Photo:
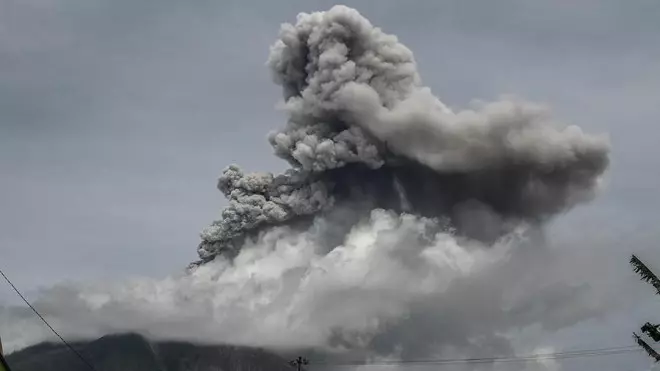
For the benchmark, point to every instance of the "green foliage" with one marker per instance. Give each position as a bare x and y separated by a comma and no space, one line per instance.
3,364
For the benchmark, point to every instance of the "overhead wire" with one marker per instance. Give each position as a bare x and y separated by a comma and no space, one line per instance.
71,348
524,358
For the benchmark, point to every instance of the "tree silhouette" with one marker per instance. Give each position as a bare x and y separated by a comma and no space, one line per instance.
645,273
651,330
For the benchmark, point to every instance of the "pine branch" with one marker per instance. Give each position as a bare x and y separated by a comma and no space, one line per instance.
653,331
645,273
651,352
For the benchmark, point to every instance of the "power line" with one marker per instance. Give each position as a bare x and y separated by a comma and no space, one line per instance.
82,359
533,357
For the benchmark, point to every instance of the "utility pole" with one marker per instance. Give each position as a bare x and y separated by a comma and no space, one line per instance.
299,362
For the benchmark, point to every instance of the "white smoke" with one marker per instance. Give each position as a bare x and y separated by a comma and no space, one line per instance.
284,283
402,228
397,286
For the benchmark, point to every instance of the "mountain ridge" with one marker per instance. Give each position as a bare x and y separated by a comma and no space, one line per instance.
132,352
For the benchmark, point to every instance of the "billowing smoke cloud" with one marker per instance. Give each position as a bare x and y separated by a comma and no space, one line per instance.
402,229
363,130
397,286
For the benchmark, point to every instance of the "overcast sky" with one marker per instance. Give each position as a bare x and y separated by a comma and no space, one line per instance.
116,116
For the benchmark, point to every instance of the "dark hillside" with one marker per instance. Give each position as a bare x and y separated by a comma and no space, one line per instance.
134,353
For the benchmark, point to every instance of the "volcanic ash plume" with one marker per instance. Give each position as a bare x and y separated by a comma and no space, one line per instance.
364,133
401,230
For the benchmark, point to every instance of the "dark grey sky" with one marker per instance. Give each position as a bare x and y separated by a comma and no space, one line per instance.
117,116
